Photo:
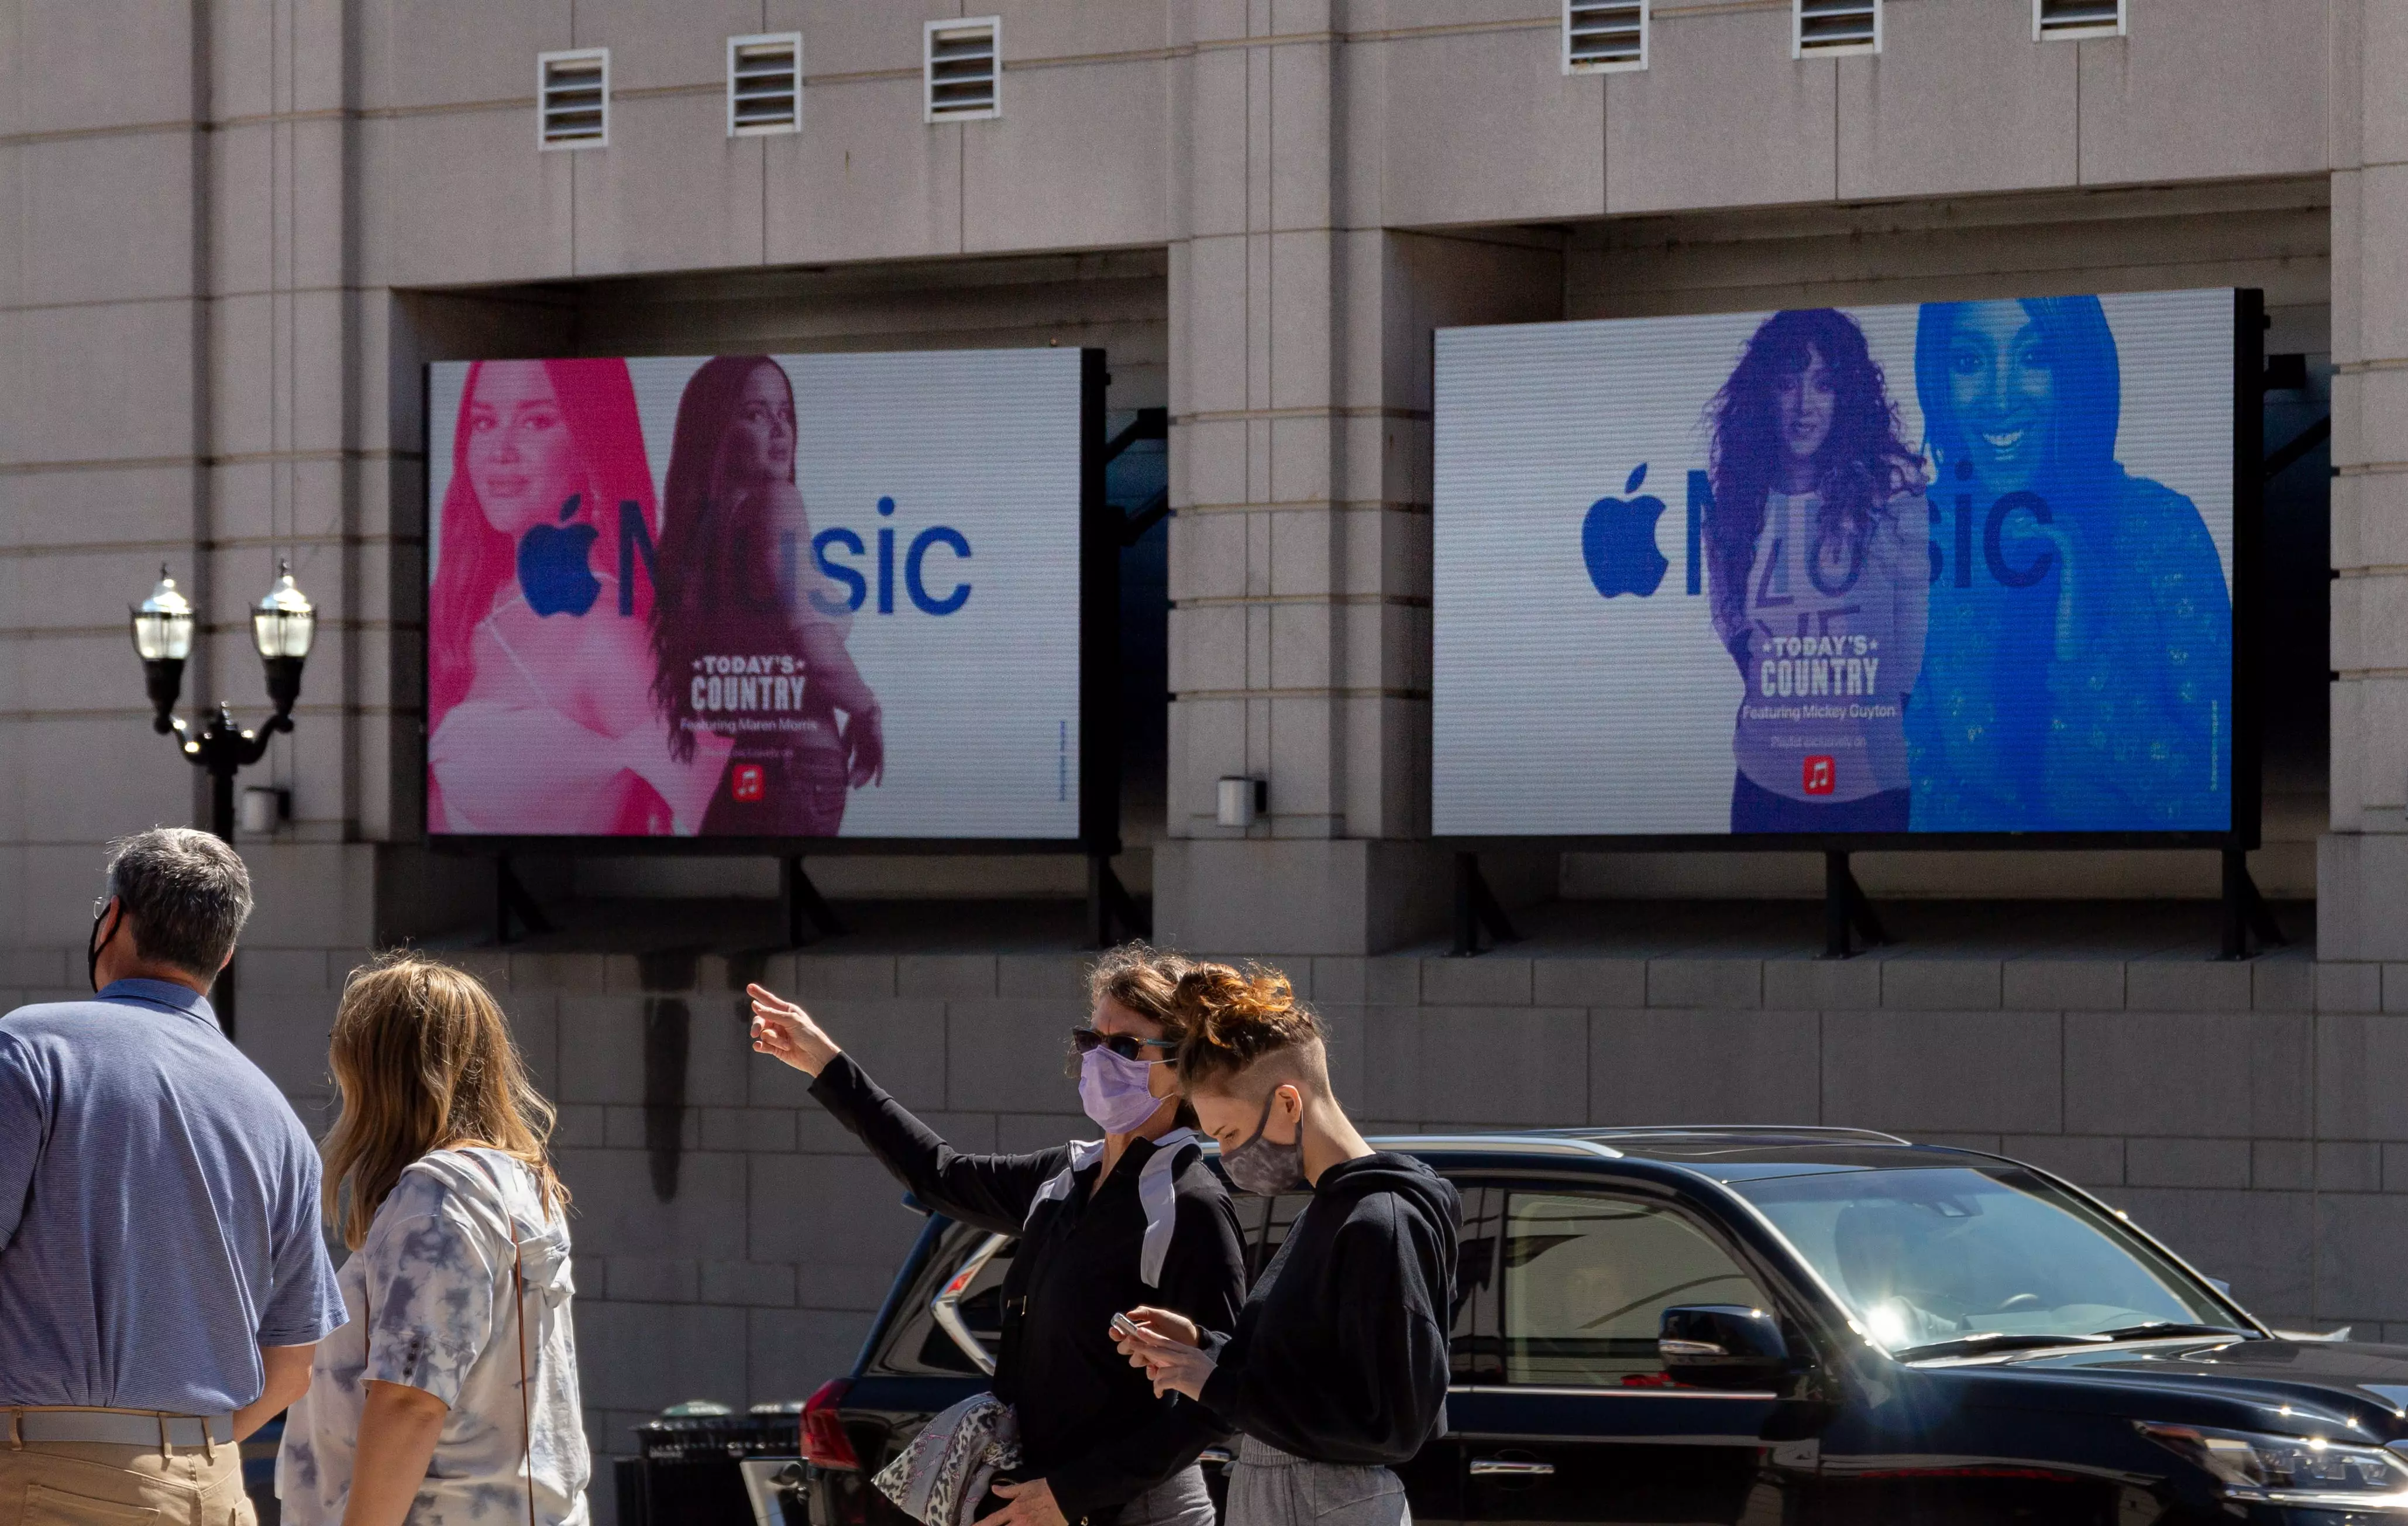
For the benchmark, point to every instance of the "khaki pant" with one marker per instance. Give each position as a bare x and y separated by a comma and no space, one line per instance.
81,1483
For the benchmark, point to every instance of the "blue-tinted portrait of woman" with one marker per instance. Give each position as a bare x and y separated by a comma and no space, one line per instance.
2077,673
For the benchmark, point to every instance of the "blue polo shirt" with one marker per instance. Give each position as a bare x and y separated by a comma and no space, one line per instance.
158,1209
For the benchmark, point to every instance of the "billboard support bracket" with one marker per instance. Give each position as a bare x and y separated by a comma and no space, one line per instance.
1476,907
2245,913
800,899
510,898
1846,910
1110,905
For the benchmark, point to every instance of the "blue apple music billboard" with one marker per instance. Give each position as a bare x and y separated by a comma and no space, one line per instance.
1957,567
755,595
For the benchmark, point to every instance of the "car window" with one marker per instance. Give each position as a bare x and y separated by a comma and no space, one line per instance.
1932,1255
1587,1279
1478,1357
914,1343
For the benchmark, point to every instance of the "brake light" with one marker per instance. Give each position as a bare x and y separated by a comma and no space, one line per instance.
824,1442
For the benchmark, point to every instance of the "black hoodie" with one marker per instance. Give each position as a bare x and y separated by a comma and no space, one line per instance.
1341,1352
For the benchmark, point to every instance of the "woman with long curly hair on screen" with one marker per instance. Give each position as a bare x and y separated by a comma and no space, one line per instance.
539,719
748,638
1815,557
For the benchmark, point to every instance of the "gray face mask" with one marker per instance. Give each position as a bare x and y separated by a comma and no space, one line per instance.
1262,1168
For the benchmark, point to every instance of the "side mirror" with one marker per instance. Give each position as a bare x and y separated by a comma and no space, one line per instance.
1723,1346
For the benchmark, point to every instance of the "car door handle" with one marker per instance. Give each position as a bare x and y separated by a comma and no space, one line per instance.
1506,1467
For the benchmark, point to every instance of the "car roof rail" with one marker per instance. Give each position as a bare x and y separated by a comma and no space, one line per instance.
1653,1130
1507,1142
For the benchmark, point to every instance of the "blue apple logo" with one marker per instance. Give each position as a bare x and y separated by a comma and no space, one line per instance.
555,566
1618,540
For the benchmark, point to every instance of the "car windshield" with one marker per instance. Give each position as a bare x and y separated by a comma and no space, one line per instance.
1960,1258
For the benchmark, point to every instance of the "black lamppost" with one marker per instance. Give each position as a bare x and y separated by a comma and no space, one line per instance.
282,626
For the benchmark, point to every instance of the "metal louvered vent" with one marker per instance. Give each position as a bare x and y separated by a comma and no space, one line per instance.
573,99
764,84
1604,37
2056,20
962,69
1834,26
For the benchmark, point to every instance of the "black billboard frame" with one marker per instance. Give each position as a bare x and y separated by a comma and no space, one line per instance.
1846,906
1110,905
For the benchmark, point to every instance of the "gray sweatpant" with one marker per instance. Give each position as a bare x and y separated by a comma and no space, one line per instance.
1269,1488
1180,1499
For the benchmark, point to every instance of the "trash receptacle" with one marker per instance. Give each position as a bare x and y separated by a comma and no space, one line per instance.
704,1465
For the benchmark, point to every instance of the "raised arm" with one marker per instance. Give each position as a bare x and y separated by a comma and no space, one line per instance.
991,1192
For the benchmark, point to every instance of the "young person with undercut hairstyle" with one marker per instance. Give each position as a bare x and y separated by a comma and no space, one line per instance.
1337,1367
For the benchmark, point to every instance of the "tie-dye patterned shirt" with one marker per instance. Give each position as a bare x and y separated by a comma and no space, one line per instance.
430,1298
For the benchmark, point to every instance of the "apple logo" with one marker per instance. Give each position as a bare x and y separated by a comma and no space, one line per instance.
555,566
1618,541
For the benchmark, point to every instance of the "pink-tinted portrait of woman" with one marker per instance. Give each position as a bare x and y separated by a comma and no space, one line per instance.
539,720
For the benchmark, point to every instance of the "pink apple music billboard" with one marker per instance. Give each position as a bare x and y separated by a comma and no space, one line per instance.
1959,567
755,595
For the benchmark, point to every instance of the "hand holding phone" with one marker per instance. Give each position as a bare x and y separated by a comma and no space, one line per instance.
1126,1328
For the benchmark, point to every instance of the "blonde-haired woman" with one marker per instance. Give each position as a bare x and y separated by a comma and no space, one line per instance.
452,1395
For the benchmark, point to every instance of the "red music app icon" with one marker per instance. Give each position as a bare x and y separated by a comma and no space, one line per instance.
1821,775
748,784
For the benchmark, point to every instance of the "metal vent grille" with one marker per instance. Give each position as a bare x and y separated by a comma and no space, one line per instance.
1603,36
764,84
962,69
2068,20
573,99
1834,26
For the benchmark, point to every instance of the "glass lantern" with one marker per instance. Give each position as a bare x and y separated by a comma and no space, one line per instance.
284,621
163,624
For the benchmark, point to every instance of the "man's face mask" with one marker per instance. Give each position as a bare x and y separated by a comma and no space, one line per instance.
99,941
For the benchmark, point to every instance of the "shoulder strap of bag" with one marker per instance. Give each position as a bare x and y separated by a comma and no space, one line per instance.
1157,1192
517,1308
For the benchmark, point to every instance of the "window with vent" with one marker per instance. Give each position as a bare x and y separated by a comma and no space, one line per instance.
1603,36
764,84
962,69
1834,26
2054,20
572,93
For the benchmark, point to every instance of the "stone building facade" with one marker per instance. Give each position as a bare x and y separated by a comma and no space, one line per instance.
237,230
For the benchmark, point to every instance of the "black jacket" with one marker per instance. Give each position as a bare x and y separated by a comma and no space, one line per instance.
1089,1422
1341,1353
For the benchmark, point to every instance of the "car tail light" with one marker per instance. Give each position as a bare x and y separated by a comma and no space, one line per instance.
825,1442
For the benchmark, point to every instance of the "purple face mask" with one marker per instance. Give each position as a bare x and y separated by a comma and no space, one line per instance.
1113,1091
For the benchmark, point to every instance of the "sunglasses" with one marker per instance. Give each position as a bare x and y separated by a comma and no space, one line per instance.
1126,1046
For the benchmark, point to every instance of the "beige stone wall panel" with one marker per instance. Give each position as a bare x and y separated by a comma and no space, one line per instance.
1074,162
2207,89
1486,127
100,218
1722,116
136,511
46,81
672,192
104,382
279,371
419,53
464,198
1959,99
866,179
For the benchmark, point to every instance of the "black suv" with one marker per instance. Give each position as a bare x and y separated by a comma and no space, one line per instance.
1776,1325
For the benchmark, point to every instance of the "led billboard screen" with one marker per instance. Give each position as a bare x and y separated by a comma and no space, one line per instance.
755,595
1956,569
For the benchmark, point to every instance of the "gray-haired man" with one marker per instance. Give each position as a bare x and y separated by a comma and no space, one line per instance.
163,1284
